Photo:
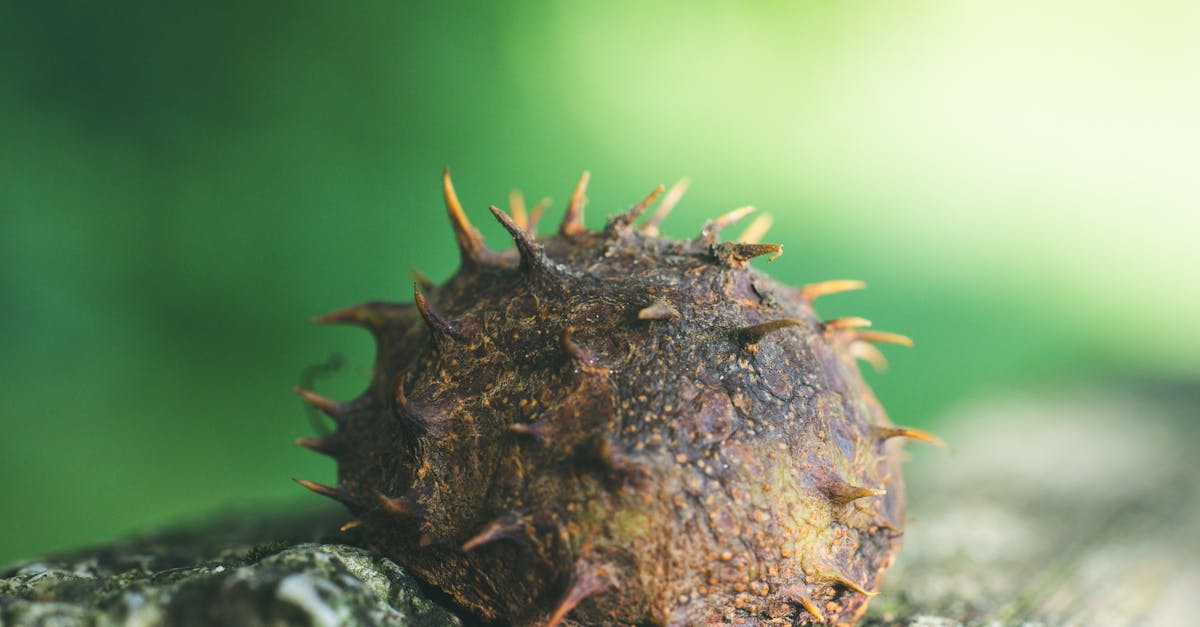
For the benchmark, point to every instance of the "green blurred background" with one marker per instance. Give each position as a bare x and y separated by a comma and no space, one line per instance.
183,186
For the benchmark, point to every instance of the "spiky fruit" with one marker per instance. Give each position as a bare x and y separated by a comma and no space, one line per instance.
623,429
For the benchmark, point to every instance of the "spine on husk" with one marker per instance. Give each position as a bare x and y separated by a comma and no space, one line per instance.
438,497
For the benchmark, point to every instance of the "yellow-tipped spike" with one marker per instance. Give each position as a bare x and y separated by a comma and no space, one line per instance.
470,243
714,227
811,607
797,593
757,229
350,525
658,310
842,492
538,430
535,214
814,291
572,222
850,322
868,353
637,210
650,227
883,337
516,207
840,578
742,253
886,433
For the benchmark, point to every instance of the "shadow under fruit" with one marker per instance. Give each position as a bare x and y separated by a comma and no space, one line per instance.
622,428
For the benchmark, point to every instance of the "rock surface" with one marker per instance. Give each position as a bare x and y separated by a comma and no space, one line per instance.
1071,511
238,571
1077,511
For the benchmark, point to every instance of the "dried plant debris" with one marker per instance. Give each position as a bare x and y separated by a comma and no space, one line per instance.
620,428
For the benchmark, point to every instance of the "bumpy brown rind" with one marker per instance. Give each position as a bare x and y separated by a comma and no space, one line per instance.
624,429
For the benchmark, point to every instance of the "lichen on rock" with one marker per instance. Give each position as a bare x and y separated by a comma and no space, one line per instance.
244,571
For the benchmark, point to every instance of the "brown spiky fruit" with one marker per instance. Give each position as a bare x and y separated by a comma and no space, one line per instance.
619,428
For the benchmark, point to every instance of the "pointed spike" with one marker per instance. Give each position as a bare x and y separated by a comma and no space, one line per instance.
371,316
516,207
868,353
329,407
416,416
659,310
650,226
886,525
619,462
882,337
841,492
470,243
540,431
886,433
334,492
505,526
533,258
714,227
831,575
401,506
437,323
636,211
798,594
813,291
324,445
584,357
398,393
402,403
741,253
756,230
587,581
350,525
878,520
572,222
753,334
346,315
839,324
421,279
535,214
623,221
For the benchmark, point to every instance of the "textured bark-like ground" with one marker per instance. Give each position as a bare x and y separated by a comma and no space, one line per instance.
1079,510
